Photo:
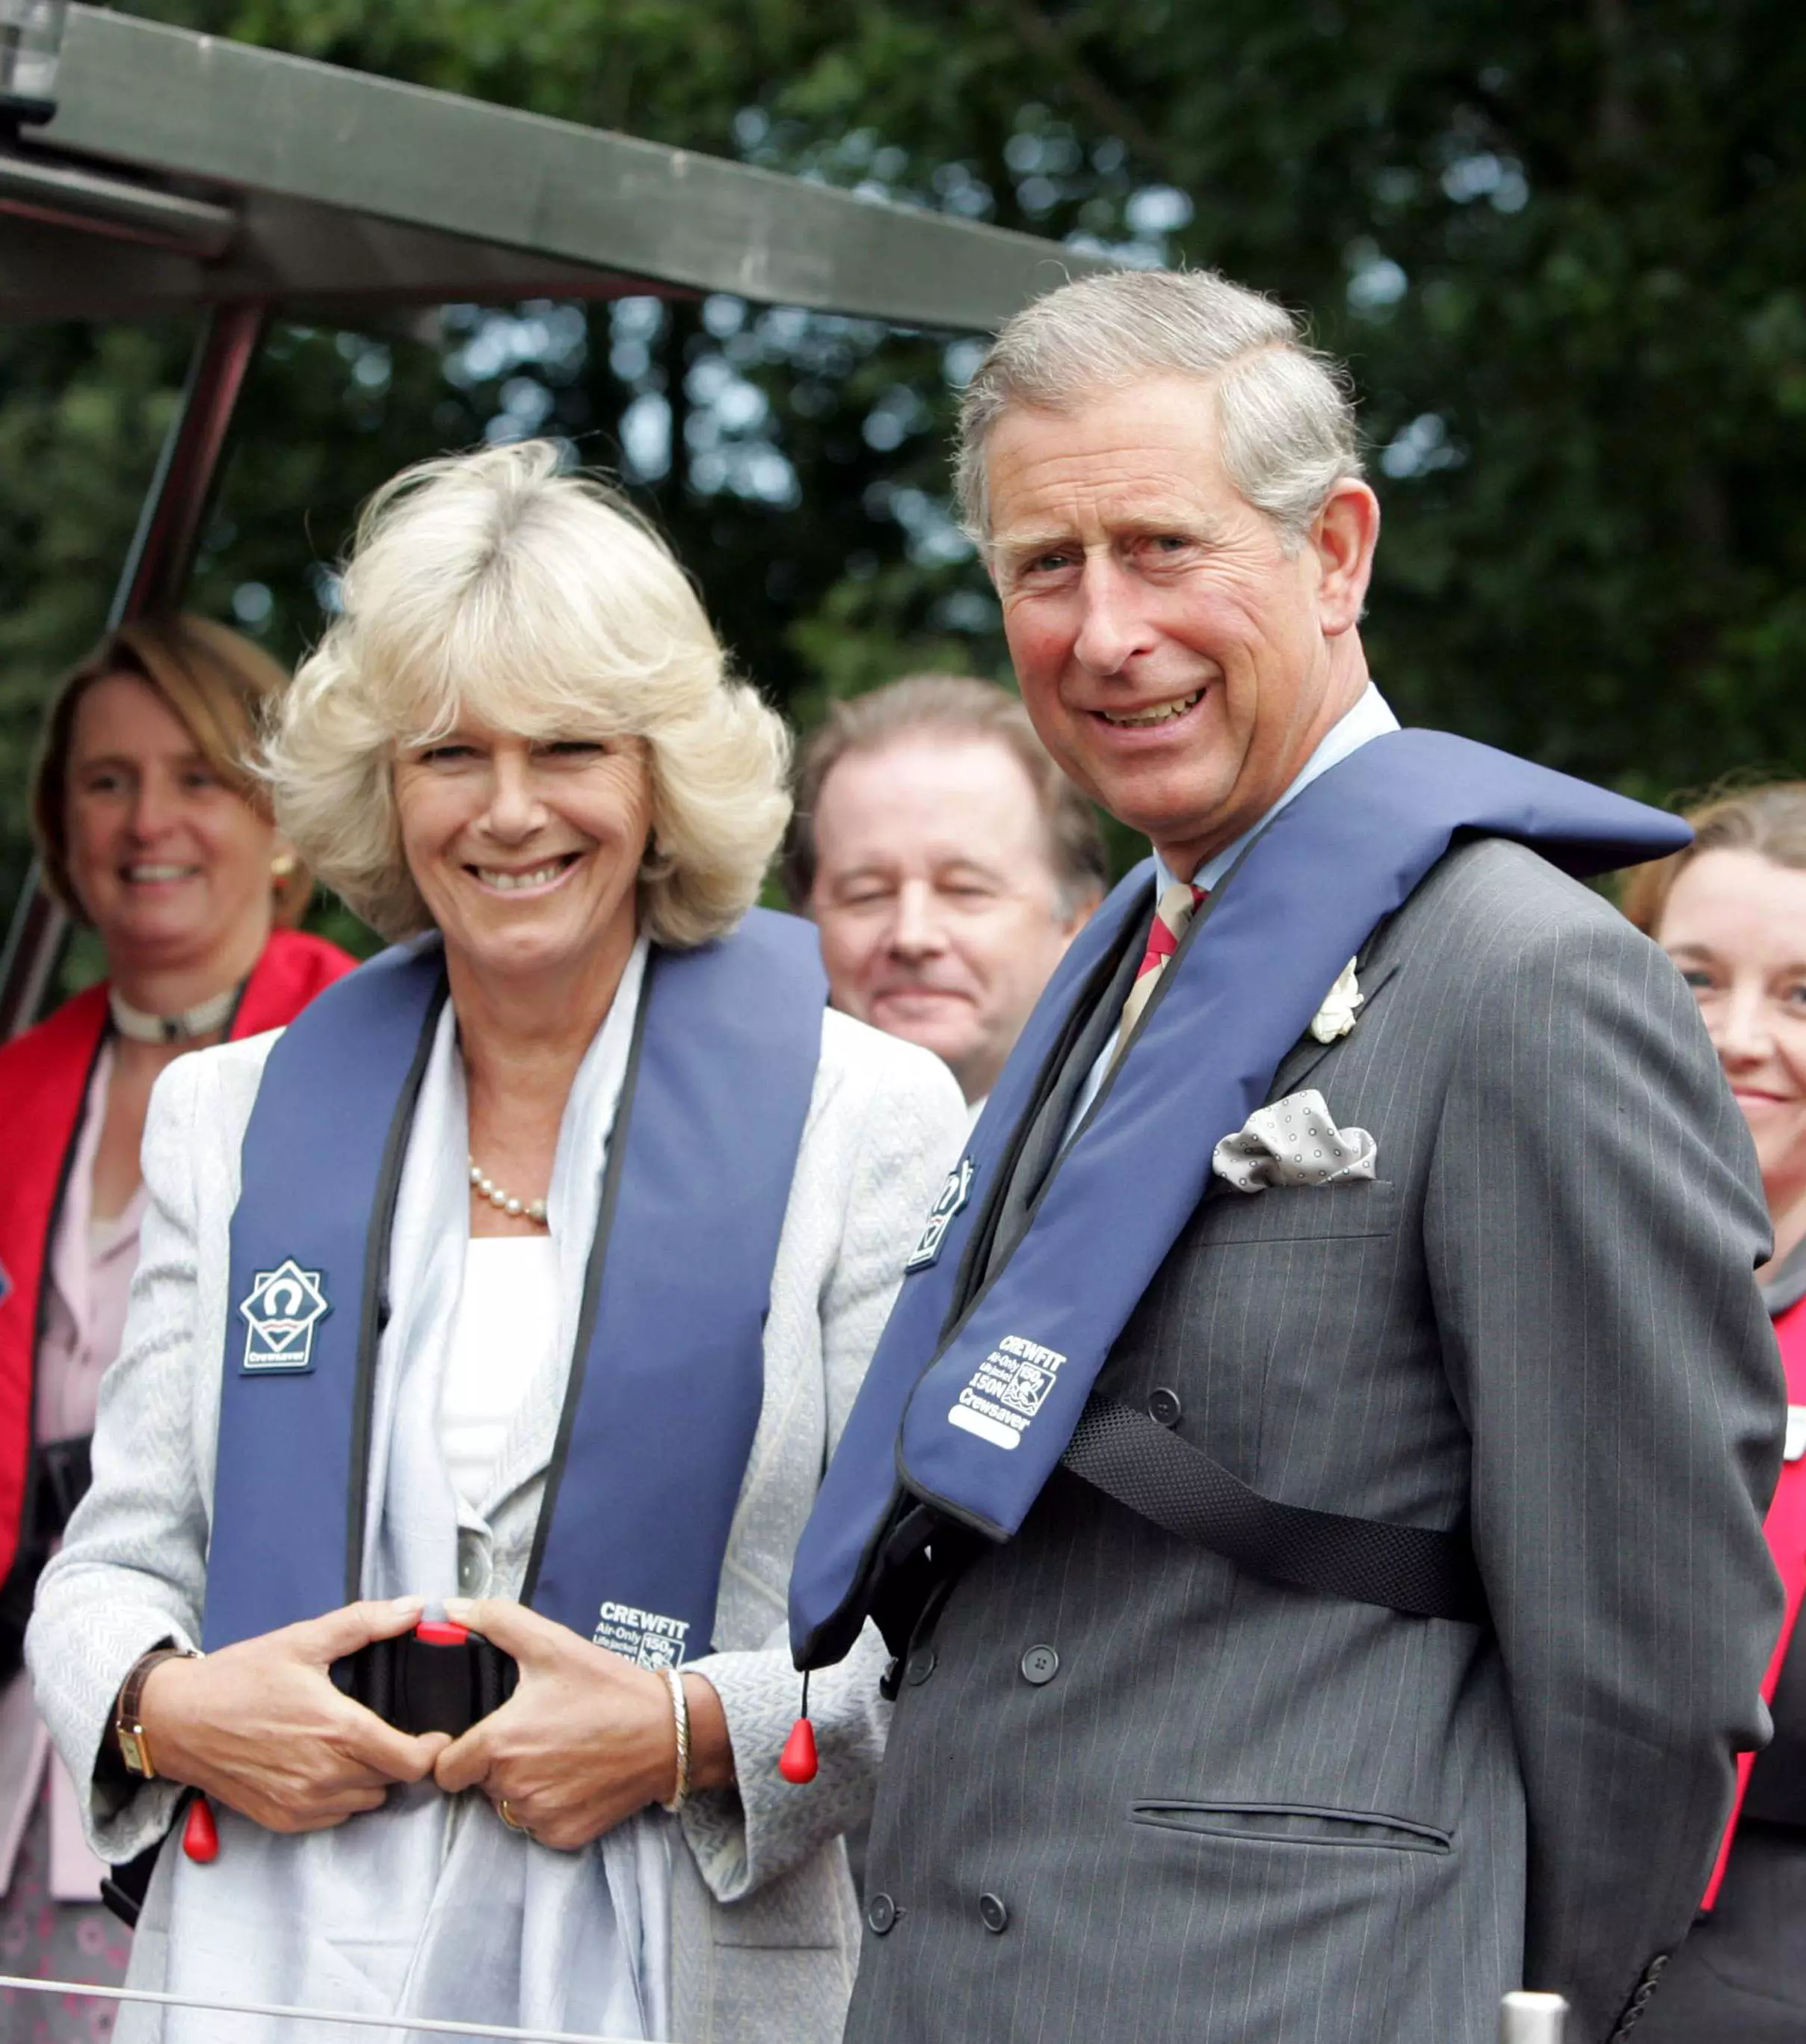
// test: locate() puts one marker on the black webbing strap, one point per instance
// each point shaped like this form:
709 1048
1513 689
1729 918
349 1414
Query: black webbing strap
1134 1459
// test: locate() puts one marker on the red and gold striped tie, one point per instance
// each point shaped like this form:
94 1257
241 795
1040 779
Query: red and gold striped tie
1172 912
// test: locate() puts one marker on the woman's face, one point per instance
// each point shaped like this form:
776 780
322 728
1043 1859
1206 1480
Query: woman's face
1734 923
527 851
172 867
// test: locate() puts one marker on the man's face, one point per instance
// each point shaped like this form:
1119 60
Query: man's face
938 906
1176 660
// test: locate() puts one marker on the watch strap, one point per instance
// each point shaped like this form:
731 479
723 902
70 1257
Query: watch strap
127 1730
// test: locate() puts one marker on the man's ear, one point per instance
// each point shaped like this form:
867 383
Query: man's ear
1343 537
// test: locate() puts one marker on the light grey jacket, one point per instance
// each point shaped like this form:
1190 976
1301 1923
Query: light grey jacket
1206 1809
763 1916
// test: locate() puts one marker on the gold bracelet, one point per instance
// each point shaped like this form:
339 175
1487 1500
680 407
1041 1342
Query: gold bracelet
680 1718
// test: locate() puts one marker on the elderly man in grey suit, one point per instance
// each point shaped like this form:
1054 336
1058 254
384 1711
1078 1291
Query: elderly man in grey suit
1312 1480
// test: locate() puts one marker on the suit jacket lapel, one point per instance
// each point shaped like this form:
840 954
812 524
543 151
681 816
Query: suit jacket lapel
1039 1155
1015 1165
1041 1138
1307 1054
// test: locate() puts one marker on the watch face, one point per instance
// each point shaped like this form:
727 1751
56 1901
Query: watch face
131 1751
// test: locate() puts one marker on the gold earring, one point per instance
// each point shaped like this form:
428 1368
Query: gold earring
282 865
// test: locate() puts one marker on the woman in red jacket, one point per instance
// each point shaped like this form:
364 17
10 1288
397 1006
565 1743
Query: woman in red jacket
152 831
1731 913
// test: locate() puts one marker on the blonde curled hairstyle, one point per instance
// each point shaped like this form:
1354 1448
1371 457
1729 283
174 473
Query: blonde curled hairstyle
491 586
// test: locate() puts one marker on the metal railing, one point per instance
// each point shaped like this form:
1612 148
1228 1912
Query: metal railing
1523 2019
424 2026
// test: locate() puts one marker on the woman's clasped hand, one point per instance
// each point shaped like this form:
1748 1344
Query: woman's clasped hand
260 1726
587 1740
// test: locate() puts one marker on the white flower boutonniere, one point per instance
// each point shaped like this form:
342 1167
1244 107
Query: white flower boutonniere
1336 1016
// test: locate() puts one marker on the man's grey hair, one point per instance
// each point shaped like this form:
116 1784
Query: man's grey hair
1286 412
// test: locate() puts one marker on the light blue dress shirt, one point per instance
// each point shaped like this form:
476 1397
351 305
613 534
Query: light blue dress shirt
1369 718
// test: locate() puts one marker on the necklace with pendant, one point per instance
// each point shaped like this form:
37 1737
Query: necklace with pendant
206 1018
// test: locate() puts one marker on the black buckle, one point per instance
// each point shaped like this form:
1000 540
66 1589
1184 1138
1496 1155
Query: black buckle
437 1683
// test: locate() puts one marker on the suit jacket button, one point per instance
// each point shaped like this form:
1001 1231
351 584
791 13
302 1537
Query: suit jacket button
1164 1406
920 1665
992 1914
1040 1665
880 1913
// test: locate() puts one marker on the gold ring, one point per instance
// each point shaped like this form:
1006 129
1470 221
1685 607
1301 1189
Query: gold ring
508 1818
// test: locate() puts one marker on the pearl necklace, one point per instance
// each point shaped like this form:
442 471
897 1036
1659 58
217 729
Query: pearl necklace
487 1188
203 1020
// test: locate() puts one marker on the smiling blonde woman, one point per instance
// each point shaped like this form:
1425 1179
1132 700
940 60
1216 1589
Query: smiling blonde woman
532 1279
1731 911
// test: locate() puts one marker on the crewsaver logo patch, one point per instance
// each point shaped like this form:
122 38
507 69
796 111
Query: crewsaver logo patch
281 1311
1008 1389
6 1285
954 1195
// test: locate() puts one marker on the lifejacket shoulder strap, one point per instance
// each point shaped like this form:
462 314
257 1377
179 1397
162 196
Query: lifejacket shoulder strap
1129 1456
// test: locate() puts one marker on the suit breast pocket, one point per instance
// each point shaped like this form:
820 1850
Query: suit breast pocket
1292 1824
1301 1213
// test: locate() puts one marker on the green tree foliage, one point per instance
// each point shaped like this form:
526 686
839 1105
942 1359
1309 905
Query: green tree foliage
1558 247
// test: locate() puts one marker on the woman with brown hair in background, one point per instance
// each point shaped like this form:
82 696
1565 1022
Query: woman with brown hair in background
1731 911
152 832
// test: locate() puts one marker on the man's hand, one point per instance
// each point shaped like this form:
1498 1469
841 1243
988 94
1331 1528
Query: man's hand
260 1726
586 1741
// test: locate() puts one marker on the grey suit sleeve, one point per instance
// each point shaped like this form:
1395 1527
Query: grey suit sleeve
1592 1217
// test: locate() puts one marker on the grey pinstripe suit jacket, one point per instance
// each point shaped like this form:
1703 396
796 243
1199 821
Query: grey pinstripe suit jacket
1240 1814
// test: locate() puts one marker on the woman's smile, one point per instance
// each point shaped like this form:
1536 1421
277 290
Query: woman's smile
143 873
537 880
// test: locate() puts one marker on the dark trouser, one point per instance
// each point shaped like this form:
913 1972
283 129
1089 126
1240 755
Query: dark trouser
1740 1978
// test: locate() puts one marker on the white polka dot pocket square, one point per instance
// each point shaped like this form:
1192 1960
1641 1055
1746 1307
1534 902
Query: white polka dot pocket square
1294 1142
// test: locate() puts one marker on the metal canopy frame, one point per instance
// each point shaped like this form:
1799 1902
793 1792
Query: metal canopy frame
183 173
239 171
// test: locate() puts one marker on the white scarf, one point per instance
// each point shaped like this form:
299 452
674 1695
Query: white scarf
432 1906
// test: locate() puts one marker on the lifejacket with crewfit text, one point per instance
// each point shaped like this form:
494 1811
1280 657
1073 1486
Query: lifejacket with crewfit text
666 1379
982 1383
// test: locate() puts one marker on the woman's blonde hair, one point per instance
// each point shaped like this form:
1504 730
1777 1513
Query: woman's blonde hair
492 585
221 686
1769 820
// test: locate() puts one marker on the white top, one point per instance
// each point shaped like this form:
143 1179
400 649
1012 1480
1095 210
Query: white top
1370 717
506 1327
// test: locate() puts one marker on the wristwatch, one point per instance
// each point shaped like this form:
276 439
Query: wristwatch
134 1749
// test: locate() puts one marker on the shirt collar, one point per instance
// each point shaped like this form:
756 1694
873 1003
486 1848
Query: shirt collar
1370 717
